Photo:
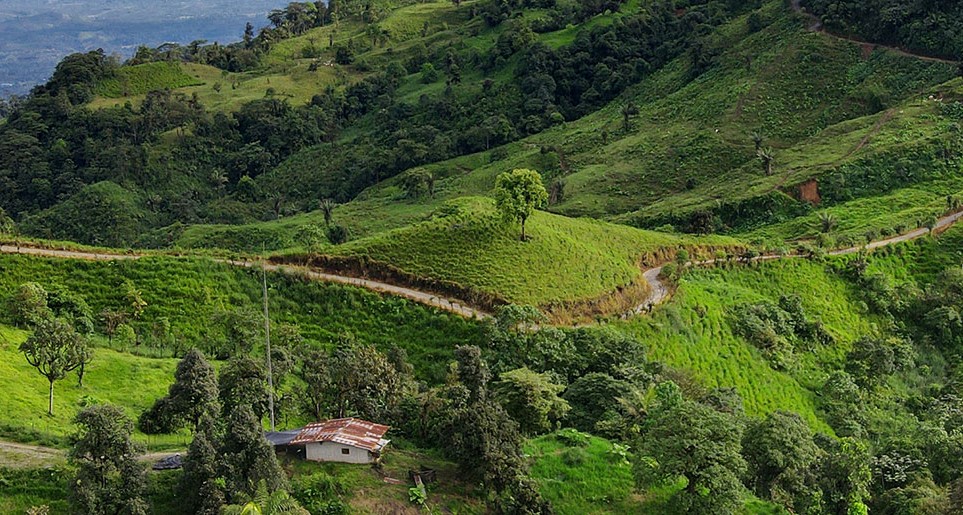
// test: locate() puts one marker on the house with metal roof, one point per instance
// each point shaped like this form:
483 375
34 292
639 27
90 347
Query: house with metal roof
346 440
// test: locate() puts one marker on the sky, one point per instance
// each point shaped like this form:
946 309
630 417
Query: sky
36 34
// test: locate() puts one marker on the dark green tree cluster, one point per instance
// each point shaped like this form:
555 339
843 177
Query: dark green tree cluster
109 480
193 394
229 459
930 28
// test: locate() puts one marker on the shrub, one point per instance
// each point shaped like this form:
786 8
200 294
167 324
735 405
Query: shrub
337 234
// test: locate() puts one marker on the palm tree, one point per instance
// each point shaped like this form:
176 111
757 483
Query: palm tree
327 207
628 111
768 158
827 222
278 502
757 139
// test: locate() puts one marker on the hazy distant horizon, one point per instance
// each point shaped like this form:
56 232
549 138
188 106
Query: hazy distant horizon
36 34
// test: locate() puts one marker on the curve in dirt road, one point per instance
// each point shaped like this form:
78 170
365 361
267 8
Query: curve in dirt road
659 291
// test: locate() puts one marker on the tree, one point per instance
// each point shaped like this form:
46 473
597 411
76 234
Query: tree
247 458
417 183
193 394
362 382
767 157
628 111
428 73
242 328
243 382
591 398
757 140
7 226
337 234
873 359
29 305
85 356
781 454
531 399
690 440
135 304
111 321
827 222
314 373
109 480
478 434
472 372
845 475
327 208
54 349
199 487
518 194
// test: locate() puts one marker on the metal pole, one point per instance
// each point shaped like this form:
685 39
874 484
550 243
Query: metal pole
267 337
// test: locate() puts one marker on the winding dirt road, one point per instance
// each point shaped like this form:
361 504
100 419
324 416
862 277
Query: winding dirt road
428 299
816 25
658 291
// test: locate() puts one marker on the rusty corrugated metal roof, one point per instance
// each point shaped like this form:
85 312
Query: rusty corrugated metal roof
348 431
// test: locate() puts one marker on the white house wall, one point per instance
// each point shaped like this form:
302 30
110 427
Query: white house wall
331 451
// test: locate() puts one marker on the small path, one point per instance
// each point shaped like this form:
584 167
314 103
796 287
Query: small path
816 25
22 455
19 455
660 293
429 299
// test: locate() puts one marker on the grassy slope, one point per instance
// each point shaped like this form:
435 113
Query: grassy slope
592 479
143 78
190 292
566 259
814 98
693 333
582 479
131 382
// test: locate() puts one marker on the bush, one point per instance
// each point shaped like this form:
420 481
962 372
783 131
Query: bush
337 234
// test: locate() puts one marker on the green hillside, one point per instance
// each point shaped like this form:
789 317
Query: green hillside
376 140
565 260
144 78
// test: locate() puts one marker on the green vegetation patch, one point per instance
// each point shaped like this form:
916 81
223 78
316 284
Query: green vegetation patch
580 473
565 259
144 78
131 382
191 293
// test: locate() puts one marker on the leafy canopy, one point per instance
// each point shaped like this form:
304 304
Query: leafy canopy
518 194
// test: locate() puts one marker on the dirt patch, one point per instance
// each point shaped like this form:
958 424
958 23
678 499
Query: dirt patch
16 455
809 192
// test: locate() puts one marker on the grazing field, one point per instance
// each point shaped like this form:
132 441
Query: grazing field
131 382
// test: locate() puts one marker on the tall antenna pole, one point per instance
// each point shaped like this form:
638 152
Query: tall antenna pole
267 338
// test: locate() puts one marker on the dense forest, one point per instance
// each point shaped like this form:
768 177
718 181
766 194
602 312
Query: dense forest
105 176
927 27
